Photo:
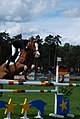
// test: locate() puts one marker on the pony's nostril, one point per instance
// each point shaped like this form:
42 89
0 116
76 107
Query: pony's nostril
37 55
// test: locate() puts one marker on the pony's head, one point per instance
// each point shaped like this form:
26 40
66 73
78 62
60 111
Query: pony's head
33 47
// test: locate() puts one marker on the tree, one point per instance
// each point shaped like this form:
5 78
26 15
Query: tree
57 43
4 37
50 48
5 47
17 37
49 40
39 40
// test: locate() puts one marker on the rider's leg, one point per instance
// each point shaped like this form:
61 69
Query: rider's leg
8 62
12 58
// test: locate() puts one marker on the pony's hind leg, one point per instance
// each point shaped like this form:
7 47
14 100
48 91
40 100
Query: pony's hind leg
1 87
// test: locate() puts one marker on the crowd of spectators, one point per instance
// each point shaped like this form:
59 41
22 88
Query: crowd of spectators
75 71
51 70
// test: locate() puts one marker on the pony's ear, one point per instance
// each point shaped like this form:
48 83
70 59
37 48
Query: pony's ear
35 41
32 38
28 43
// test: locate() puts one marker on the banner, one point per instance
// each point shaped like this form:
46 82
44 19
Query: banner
63 105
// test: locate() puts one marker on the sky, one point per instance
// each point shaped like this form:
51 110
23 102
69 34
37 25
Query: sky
41 17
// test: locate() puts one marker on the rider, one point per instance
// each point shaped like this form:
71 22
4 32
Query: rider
16 46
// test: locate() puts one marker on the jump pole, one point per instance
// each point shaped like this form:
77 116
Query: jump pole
44 83
56 93
56 88
27 91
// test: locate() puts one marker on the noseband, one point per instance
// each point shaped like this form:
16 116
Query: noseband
28 48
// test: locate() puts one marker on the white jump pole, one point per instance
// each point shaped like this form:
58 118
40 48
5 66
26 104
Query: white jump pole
56 93
26 91
44 83
56 88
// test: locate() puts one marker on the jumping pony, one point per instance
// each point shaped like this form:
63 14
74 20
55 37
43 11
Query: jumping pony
31 48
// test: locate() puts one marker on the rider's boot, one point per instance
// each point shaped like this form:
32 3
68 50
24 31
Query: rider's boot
8 62
7 65
11 59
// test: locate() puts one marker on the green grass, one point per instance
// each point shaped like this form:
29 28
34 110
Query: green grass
18 98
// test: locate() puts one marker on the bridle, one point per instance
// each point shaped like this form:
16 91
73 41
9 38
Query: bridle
33 51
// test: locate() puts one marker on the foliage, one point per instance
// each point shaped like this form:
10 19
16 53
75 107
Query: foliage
49 47
5 49
67 91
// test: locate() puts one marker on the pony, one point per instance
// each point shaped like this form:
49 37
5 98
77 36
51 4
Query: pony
30 49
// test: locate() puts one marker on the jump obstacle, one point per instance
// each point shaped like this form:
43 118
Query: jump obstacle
45 83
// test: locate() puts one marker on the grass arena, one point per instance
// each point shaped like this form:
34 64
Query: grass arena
47 97
32 90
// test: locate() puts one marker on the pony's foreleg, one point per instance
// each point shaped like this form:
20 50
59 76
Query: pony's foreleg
25 72
25 67
22 66
32 66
